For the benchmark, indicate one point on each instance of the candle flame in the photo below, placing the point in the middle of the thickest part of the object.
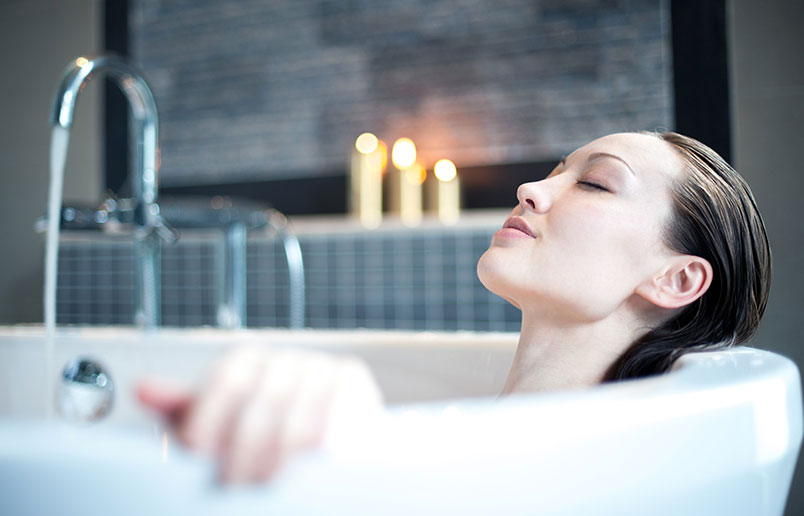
(366, 143)
(445, 170)
(403, 153)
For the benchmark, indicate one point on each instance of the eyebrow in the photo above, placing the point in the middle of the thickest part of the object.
(597, 155)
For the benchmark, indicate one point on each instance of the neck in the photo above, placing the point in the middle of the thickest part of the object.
(553, 356)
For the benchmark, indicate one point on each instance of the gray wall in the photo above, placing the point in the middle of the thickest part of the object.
(767, 74)
(38, 38)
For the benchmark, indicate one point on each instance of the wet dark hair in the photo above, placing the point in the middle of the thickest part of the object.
(714, 217)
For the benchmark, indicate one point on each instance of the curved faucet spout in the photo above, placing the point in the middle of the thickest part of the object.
(143, 107)
(144, 177)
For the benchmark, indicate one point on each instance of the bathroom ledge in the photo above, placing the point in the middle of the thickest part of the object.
(331, 224)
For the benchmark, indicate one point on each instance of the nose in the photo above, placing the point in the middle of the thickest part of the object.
(534, 196)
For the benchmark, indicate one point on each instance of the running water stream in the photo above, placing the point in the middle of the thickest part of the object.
(58, 155)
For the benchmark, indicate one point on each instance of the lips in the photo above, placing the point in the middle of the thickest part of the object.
(520, 225)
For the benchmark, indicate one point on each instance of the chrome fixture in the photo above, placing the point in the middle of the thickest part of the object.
(86, 391)
(232, 282)
(234, 218)
(149, 228)
(279, 223)
(231, 275)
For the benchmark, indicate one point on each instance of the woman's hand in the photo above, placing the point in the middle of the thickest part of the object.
(260, 407)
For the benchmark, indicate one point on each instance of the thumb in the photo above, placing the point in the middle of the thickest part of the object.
(168, 397)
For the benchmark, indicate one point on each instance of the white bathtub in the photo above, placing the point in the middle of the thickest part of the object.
(718, 435)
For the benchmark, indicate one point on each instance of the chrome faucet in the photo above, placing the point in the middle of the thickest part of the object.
(232, 282)
(293, 254)
(150, 229)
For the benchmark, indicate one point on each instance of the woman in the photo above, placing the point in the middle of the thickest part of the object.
(637, 248)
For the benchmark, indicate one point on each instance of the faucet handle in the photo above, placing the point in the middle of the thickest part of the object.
(165, 231)
(155, 224)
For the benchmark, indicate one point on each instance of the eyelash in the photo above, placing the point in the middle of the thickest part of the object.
(593, 186)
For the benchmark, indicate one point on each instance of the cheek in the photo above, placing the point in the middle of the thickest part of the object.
(603, 257)
(621, 236)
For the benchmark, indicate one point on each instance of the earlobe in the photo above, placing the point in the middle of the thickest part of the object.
(686, 280)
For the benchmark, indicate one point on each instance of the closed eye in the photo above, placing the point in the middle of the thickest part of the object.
(592, 186)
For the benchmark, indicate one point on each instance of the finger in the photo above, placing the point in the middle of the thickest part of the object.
(210, 418)
(357, 391)
(252, 451)
(304, 425)
(331, 389)
(356, 398)
(168, 397)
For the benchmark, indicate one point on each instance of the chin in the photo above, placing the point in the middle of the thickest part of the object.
(493, 279)
(483, 267)
(491, 273)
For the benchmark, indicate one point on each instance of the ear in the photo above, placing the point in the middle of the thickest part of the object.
(685, 280)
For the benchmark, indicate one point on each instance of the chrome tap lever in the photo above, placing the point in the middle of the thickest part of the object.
(165, 231)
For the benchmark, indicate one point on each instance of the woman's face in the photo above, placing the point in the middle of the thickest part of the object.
(582, 240)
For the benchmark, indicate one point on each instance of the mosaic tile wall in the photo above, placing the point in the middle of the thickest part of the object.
(422, 280)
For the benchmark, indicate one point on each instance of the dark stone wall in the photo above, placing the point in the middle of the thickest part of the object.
(252, 90)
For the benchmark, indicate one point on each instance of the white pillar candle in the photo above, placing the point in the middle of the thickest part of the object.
(444, 192)
(406, 183)
(368, 164)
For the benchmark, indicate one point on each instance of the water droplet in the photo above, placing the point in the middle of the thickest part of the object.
(86, 391)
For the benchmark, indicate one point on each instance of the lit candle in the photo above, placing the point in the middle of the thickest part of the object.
(406, 183)
(368, 164)
(444, 192)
